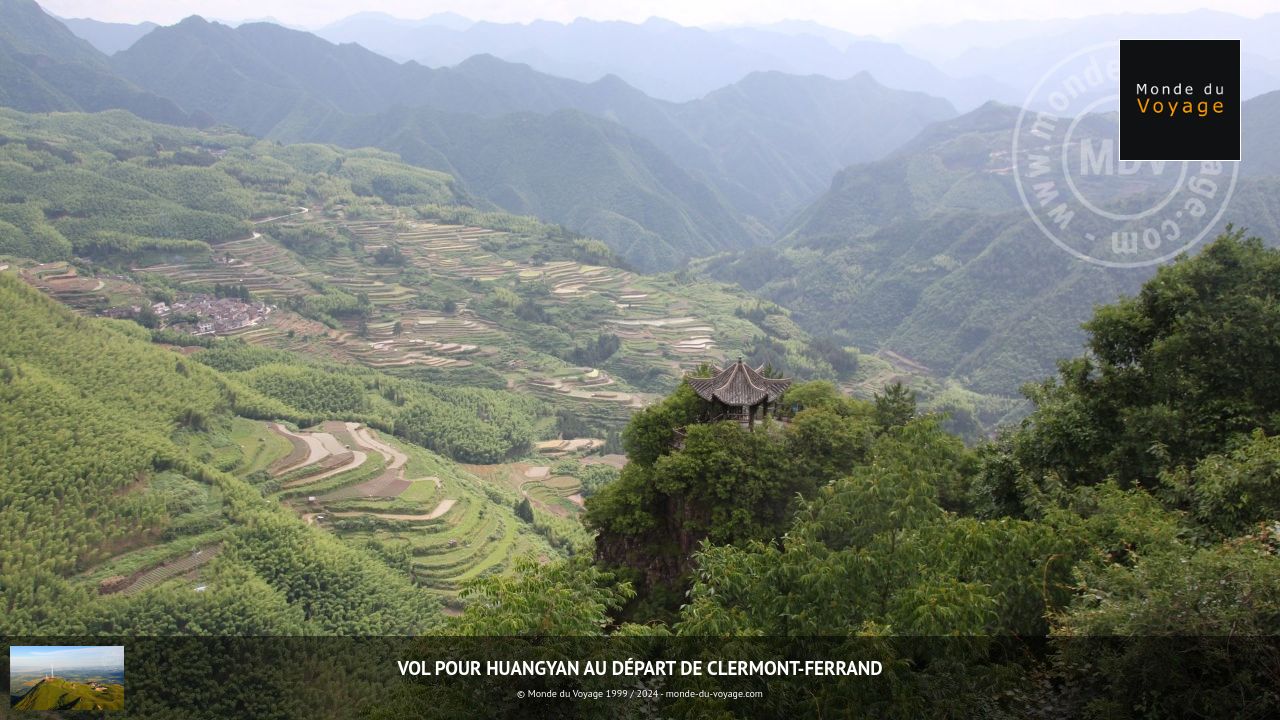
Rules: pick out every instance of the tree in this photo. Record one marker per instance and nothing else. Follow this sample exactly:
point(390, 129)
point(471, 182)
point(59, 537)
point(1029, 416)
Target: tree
point(524, 510)
point(876, 552)
point(390, 255)
point(1181, 371)
point(722, 484)
point(895, 406)
point(147, 317)
point(566, 597)
point(612, 443)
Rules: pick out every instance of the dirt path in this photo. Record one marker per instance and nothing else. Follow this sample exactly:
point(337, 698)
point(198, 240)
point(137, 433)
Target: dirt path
point(330, 443)
point(390, 483)
point(357, 459)
point(301, 210)
point(364, 437)
point(445, 506)
point(317, 450)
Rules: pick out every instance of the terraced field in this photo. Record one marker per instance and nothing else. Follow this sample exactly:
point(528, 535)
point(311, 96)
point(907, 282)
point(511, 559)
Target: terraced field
point(453, 525)
point(560, 494)
point(642, 312)
point(665, 327)
point(230, 264)
point(87, 294)
point(181, 566)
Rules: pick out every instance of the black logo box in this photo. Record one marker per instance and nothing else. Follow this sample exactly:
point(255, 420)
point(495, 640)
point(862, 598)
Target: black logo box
point(1186, 65)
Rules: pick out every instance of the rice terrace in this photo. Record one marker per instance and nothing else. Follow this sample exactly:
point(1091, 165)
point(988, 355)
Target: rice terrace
point(441, 386)
point(364, 485)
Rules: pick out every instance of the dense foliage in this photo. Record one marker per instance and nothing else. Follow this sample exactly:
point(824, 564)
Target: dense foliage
point(97, 438)
point(689, 482)
point(1177, 375)
point(109, 185)
point(929, 253)
point(1068, 528)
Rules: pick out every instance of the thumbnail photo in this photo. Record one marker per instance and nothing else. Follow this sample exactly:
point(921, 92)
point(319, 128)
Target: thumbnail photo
point(65, 678)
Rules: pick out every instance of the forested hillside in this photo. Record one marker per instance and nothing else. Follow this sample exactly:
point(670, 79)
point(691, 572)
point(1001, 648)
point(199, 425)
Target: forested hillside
point(1137, 500)
point(98, 462)
point(379, 335)
point(45, 67)
point(107, 185)
point(674, 181)
point(929, 254)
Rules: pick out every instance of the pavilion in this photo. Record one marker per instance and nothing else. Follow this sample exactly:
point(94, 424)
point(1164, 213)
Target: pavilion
point(736, 392)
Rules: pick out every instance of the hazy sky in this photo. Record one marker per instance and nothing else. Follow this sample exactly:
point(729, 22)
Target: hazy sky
point(859, 16)
point(37, 657)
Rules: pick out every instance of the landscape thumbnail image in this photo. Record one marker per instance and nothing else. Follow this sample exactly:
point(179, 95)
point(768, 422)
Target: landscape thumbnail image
point(66, 678)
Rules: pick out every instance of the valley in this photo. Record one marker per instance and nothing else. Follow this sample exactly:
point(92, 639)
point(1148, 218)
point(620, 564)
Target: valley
point(426, 384)
point(312, 357)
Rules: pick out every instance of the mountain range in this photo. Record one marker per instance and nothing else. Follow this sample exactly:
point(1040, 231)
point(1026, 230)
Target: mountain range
point(968, 63)
point(897, 224)
point(738, 162)
point(662, 58)
point(44, 67)
point(929, 254)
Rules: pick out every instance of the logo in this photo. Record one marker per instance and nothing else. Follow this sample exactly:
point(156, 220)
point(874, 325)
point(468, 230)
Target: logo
point(1082, 196)
point(1180, 99)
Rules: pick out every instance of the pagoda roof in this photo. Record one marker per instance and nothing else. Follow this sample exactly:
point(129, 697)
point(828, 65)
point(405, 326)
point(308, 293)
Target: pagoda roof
point(739, 385)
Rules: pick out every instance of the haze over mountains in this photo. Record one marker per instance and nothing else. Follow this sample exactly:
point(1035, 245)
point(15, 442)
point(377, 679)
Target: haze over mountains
point(929, 252)
point(1017, 53)
point(815, 165)
point(662, 58)
point(660, 181)
point(44, 67)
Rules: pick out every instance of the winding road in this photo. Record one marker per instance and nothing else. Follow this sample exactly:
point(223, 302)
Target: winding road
point(301, 210)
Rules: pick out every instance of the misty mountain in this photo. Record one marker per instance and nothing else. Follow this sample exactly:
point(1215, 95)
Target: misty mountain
point(477, 124)
point(1018, 53)
point(662, 58)
point(930, 254)
point(44, 68)
point(1260, 149)
point(109, 38)
point(747, 156)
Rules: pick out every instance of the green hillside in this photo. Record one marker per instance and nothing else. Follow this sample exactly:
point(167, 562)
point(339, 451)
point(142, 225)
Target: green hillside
point(101, 436)
point(108, 185)
point(928, 258)
point(402, 335)
point(65, 695)
point(44, 67)
point(203, 491)
point(658, 181)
